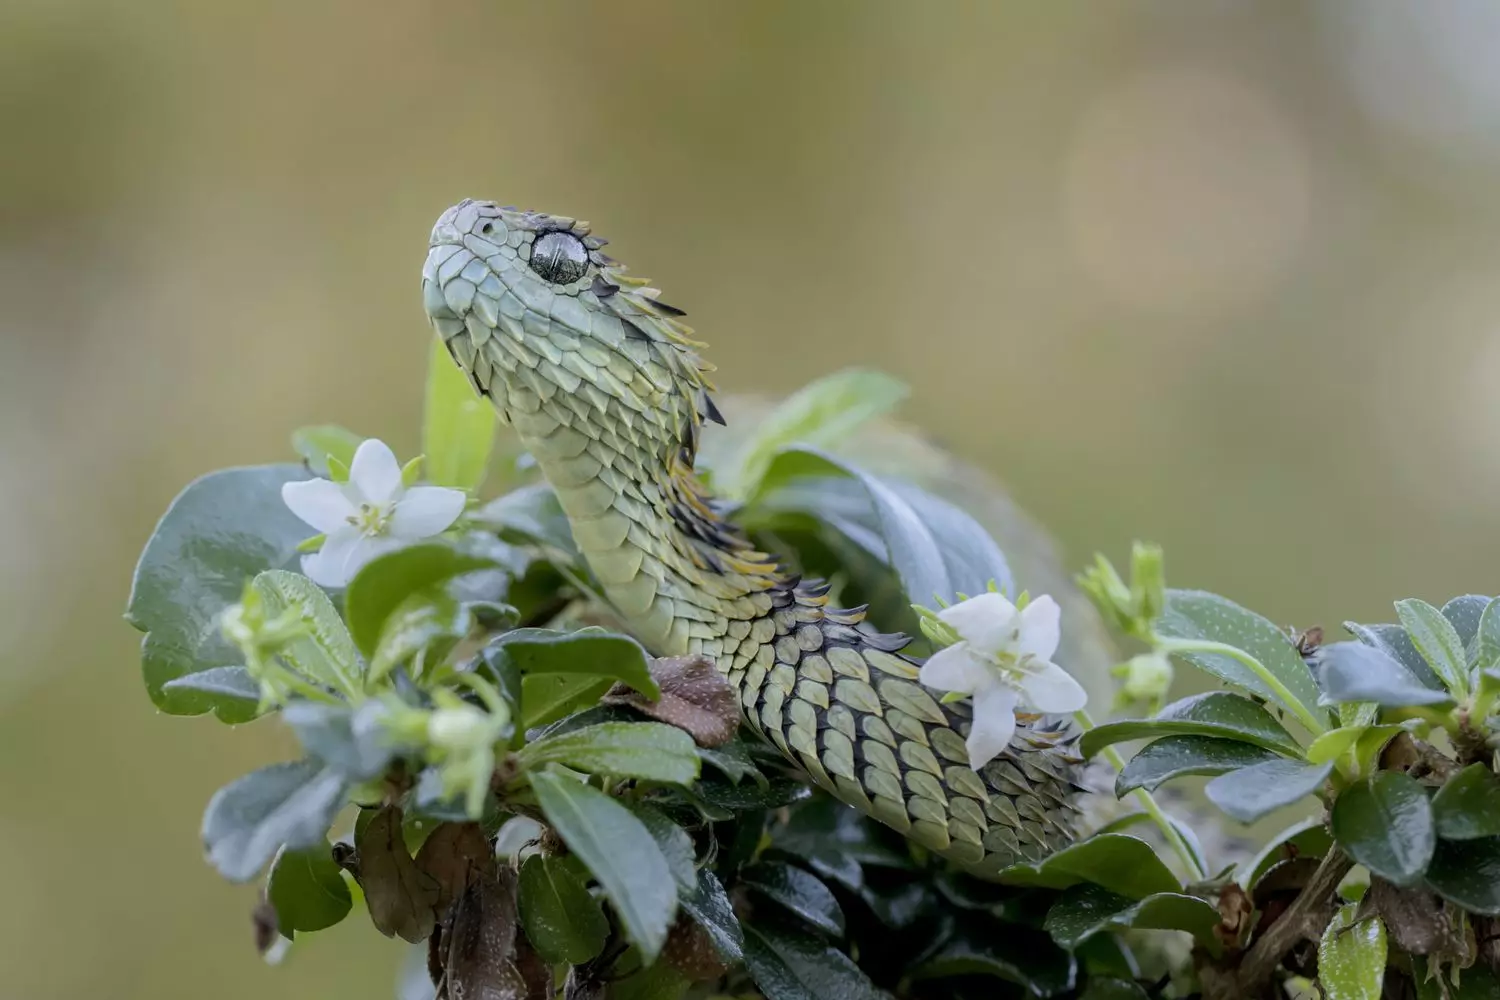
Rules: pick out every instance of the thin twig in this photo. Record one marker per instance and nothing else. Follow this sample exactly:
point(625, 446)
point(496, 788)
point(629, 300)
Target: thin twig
point(1304, 919)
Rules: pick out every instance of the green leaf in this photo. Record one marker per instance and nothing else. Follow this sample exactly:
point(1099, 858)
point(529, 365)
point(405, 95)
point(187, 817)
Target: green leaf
point(248, 820)
point(546, 698)
point(531, 514)
point(937, 549)
point(225, 685)
point(676, 846)
point(1008, 951)
point(1351, 957)
point(790, 964)
point(648, 751)
point(319, 443)
point(618, 850)
point(1112, 988)
point(592, 651)
point(563, 922)
point(1467, 872)
point(801, 893)
point(308, 890)
point(1386, 825)
point(1218, 714)
point(428, 623)
point(1394, 640)
point(1464, 613)
point(385, 582)
point(1252, 792)
point(733, 761)
point(1354, 671)
point(458, 429)
point(1085, 910)
point(1197, 614)
point(219, 532)
point(325, 654)
point(1437, 641)
point(1487, 638)
point(823, 414)
point(1307, 837)
point(1122, 864)
point(352, 741)
point(709, 905)
point(1468, 805)
point(1176, 756)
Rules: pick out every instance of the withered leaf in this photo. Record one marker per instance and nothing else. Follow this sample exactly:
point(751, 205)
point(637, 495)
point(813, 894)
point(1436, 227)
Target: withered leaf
point(454, 854)
point(401, 897)
point(263, 920)
point(1413, 917)
point(695, 698)
point(691, 951)
point(481, 942)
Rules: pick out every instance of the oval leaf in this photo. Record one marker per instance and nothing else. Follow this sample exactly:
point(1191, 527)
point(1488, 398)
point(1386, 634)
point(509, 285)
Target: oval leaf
point(402, 899)
point(563, 922)
point(801, 893)
point(1308, 837)
point(248, 820)
point(709, 905)
point(1085, 910)
point(1197, 614)
point(1386, 825)
point(1467, 872)
point(1468, 806)
point(325, 654)
point(308, 890)
point(676, 846)
point(1176, 756)
point(790, 964)
point(1252, 792)
point(618, 850)
point(218, 533)
point(225, 685)
point(1217, 713)
point(1487, 639)
point(1351, 957)
point(648, 751)
point(1120, 863)
point(1354, 671)
point(427, 623)
point(378, 589)
point(1438, 642)
point(591, 651)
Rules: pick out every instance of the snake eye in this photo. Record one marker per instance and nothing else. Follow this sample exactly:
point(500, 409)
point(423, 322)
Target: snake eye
point(559, 257)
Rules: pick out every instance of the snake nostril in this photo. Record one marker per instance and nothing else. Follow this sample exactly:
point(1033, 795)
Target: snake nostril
point(487, 228)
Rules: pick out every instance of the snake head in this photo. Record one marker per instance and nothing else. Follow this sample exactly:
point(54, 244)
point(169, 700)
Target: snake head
point(531, 308)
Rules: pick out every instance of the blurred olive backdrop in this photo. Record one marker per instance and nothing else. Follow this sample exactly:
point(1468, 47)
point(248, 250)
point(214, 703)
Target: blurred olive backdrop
point(1216, 274)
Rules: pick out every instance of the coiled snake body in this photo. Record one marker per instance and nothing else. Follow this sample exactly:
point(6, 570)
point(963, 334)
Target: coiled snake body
point(604, 385)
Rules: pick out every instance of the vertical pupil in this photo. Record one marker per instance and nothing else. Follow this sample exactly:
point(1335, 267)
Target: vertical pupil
point(559, 257)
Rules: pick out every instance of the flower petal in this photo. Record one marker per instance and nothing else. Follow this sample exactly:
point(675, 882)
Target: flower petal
point(375, 473)
point(955, 668)
point(986, 621)
point(424, 511)
point(1049, 688)
point(319, 502)
point(368, 549)
point(327, 567)
point(1041, 628)
point(994, 724)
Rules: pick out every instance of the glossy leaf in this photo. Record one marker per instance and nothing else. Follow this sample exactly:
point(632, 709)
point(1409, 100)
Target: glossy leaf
point(324, 654)
point(822, 414)
point(426, 624)
point(225, 685)
point(1467, 872)
point(648, 751)
point(1218, 714)
point(1120, 863)
point(1468, 805)
point(218, 533)
point(1253, 792)
point(801, 893)
point(1197, 614)
point(1085, 910)
point(733, 761)
point(1437, 641)
point(790, 964)
point(1354, 671)
point(709, 905)
point(319, 443)
point(248, 820)
point(385, 582)
point(1394, 640)
point(1351, 957)
point(591, 651)
point(548, 698)
point(308, 890)
point(1386, 825)
point(619, 851)
point(1011, 952)
point(1112, 988)
point(563, 922)
point(1308, 837)
point(458, 427)
point(1176, 756)
point(675, 843)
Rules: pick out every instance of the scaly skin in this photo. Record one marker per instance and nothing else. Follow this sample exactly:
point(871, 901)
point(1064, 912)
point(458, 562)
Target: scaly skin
point(605, 388)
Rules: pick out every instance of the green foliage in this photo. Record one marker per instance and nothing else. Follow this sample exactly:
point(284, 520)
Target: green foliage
point(458, 429)
point(307, 890)
point(1351, 957)
point(1385, 823)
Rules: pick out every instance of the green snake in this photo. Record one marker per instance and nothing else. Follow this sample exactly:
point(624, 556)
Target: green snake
point(604, 385)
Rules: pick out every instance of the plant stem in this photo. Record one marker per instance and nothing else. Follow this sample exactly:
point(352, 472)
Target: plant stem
point(1309, 721)
point(1149, 804)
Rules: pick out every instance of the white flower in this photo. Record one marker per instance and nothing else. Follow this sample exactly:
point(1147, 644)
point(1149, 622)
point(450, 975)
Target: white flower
point(1002, 659)
point(373, 513)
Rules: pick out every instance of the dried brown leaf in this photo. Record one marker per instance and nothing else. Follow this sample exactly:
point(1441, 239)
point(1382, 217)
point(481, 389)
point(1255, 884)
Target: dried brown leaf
point(695, 698)
point(402, 899)
point(454, 854)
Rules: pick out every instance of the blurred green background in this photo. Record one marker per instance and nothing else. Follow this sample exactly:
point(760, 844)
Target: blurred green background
point(1216, 274)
